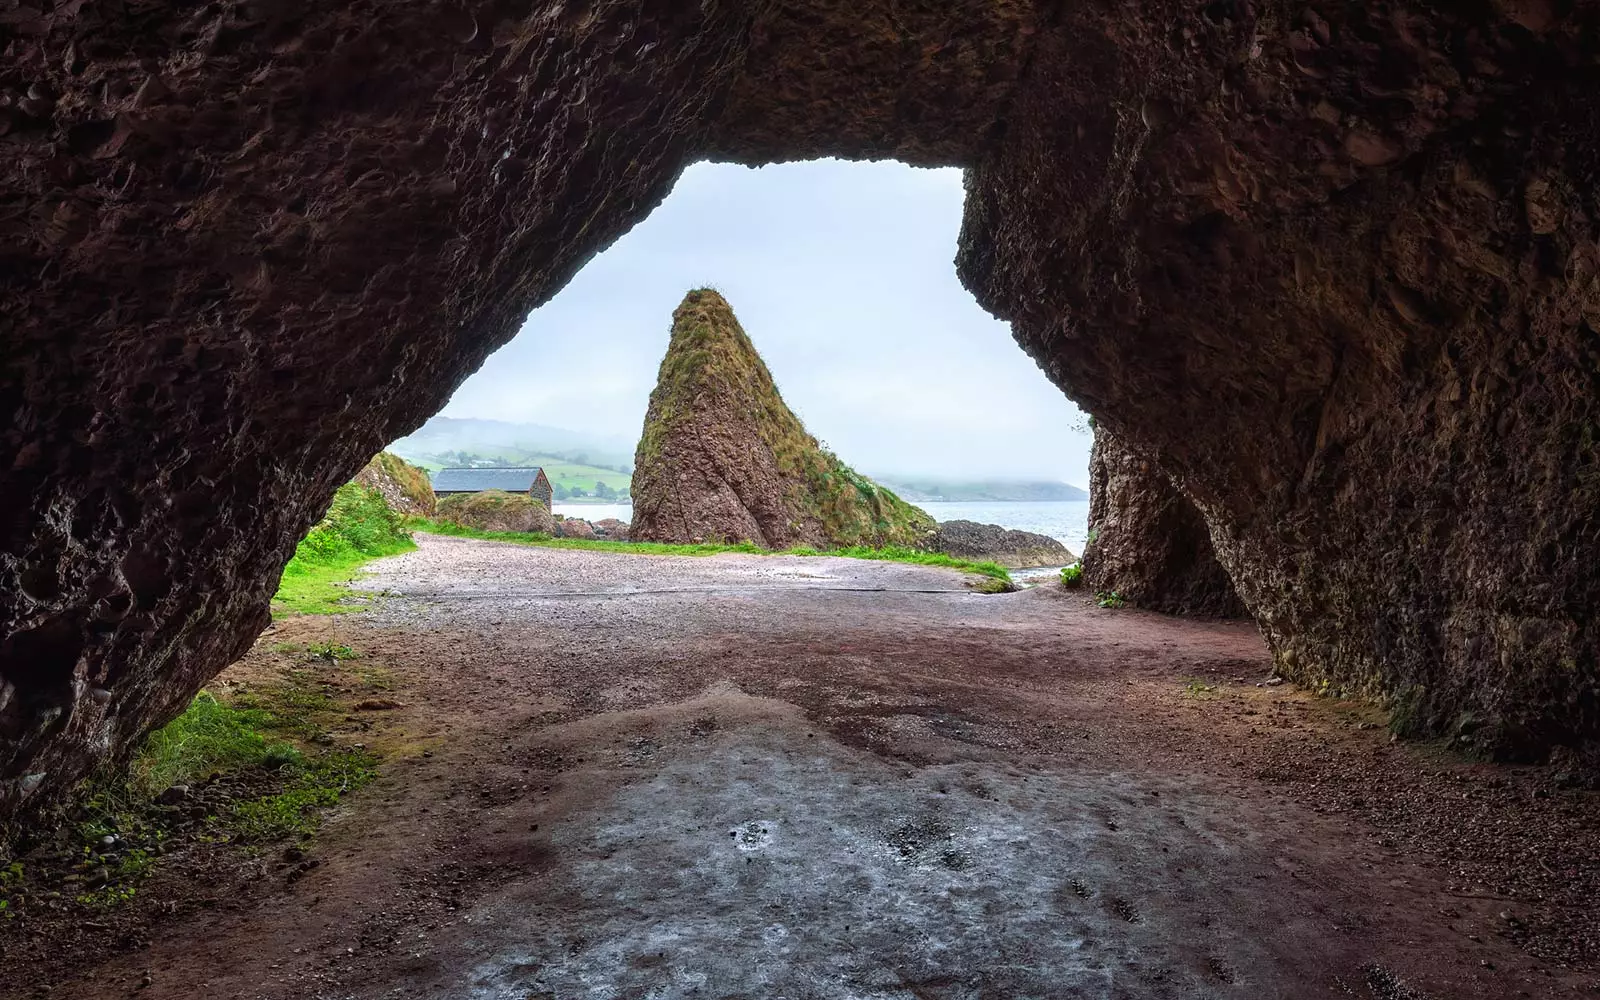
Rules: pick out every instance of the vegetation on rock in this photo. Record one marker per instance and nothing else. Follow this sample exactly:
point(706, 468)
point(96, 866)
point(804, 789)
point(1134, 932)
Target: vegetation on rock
point(405, 487)
point(723, 459)
point(495, 510)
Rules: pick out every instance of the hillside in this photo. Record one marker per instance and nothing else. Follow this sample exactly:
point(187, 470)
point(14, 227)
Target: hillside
point(722, 458)
point(921, 489)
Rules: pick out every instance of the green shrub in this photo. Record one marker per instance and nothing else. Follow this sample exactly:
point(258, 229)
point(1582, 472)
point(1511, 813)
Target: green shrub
point(1072, 576)
point(358, 527)
point(1109, 599)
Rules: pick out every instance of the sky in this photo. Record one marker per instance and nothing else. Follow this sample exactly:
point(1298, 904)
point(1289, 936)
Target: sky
point(843, 276)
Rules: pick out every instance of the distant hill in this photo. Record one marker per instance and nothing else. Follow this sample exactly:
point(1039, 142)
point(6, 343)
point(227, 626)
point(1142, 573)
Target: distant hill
point(919, 489)
point(576, 459)
point(442, 440)
point(722, 458)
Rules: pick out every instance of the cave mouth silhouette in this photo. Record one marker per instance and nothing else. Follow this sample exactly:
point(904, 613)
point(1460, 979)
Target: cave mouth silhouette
point(841, 273)
point(1296, 257)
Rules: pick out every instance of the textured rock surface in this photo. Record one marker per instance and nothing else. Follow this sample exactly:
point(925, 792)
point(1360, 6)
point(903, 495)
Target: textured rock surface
point(1147, 542)
point(1333, 266)
point(723, 459)
point(611, 528)
point(992, 543)
point(405, 487)
point(496, 510)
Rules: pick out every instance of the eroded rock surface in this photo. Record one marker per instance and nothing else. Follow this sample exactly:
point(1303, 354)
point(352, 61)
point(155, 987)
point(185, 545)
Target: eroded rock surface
point(990, 542)
point(722, 458)
point(1147, 543)
point(1333, 266)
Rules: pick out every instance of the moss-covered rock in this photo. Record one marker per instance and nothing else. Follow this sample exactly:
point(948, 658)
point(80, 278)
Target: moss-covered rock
point(496, 510)
point(723, 459)
point(405, 487)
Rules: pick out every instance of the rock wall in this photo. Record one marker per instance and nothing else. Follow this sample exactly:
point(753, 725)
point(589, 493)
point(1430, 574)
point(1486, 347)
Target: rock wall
point(1334, 266)
point(1147, 542)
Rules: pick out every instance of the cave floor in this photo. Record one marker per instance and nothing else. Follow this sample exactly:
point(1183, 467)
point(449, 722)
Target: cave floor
point(633, 776)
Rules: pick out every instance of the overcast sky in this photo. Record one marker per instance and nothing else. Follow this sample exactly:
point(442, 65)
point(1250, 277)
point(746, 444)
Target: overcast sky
point(843, 275)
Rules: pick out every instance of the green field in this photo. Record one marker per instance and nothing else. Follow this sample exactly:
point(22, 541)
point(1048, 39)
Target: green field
point(562, 472)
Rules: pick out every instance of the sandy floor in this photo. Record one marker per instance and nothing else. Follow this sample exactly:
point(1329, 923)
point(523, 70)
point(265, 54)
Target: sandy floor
point(619, 776)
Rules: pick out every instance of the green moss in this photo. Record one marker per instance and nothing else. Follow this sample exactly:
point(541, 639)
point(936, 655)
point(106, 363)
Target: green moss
point(272, 743)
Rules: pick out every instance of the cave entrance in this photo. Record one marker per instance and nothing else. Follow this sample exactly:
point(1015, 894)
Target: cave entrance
point(842, 274)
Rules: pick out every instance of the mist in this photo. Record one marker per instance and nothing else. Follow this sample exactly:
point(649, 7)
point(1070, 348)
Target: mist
point(843, 276)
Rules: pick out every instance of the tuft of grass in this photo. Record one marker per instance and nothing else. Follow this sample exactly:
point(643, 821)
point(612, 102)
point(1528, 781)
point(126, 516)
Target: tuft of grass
point(209, 736)
point(1072, 576)
point(359, 527)
point(888, 553)
point(1109, 599)
point(1197, 688)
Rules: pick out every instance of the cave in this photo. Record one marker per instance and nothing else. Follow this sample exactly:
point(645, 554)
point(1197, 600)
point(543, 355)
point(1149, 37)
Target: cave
point(1332, 268)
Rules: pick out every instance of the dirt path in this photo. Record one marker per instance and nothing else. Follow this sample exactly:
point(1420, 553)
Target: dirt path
point(621, 776)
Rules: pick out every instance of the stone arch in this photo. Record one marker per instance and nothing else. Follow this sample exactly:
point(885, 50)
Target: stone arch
point(1333, 264)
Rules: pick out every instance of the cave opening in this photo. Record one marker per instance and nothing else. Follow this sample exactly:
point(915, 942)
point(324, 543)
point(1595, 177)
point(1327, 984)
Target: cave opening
point(1330, 269)
point(841, 273)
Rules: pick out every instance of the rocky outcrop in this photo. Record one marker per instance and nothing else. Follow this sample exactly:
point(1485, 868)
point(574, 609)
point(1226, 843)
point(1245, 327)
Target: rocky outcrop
point(1147, 543)
point(992, 543)
point(722, 459)
point(405, 487)
point(612, 529)
point(1332, 266)
point(572, 527)
point(496, 510)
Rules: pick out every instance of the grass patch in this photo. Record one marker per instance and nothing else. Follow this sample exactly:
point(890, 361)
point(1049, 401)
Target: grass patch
point(889, 553)
point(256, 768)
point(359, 527)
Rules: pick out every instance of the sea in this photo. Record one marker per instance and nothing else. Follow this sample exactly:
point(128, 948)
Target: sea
point(1067, 521)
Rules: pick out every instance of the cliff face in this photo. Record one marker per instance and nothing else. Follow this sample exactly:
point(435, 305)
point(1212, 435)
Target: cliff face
point(1332, 266)
point(1147, 542)
point(722, 459)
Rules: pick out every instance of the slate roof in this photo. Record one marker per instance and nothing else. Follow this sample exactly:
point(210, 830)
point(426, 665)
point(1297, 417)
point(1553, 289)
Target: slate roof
point(473, 480)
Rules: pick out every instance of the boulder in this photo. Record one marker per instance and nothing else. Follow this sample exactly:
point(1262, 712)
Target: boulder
point(612, 529)
point(992, 543)
point(723, 459)
point(574, 527)
point(496, 510)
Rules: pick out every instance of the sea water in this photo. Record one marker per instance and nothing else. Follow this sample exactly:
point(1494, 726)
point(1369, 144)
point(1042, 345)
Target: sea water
point(1067, 521)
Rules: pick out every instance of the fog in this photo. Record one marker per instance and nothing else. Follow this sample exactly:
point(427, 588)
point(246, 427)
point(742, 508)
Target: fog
point(842, 274)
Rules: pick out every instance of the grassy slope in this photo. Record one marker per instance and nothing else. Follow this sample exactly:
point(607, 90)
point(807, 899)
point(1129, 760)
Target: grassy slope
point(710, 356)
point(888, 553)
point(359, 527)
point(559, 470)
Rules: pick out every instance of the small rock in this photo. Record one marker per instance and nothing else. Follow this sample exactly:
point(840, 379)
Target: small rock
point(1273, 682)
point(173, 794)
